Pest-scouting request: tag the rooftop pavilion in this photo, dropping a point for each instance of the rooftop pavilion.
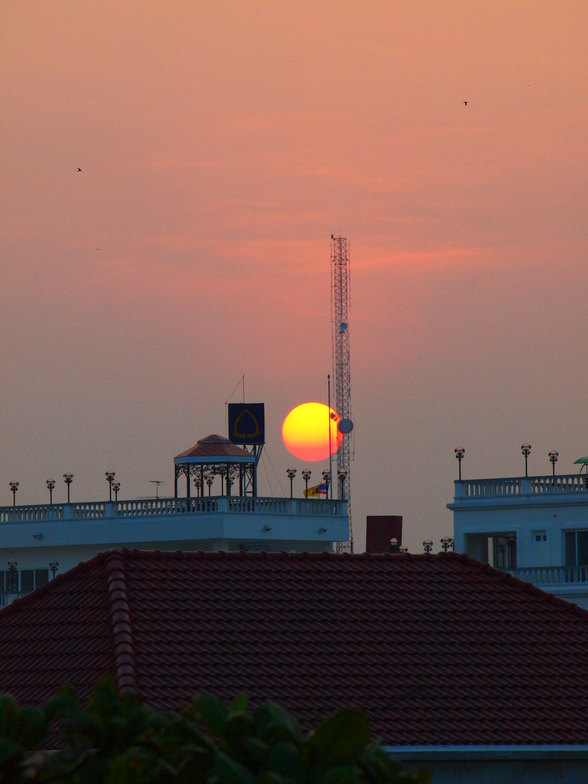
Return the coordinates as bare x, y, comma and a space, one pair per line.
220, 511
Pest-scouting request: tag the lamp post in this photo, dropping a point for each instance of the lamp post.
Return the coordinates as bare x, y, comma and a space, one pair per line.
306, 472
526, 450
427, 545
68, 479
209, 479
447, 543
110, 479
50, 485
342, 476
459, 453
394, 545
553, 455
291, 473
116, 488
13, 488
198, 485
54, 566
12, 586
327, 480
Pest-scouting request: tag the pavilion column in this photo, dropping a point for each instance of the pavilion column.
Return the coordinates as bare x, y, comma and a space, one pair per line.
188, 481
175, 481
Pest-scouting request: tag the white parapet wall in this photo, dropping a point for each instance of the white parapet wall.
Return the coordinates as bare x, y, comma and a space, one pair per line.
536, 527
34, 537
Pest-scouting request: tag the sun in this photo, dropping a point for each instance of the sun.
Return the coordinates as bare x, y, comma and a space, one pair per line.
305, 431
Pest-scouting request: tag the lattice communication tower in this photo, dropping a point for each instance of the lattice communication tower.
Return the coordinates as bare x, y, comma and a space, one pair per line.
342, 370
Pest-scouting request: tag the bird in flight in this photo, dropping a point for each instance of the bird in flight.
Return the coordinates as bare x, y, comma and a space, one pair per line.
465, 103
79, 169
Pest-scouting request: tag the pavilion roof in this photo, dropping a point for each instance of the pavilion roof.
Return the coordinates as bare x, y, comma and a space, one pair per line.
214, 446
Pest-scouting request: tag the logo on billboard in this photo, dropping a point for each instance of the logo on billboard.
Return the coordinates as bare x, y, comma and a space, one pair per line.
247, 423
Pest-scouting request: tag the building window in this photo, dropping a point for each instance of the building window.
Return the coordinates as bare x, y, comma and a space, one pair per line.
539, 536
33, 578
504, 551
576, 543
27, 580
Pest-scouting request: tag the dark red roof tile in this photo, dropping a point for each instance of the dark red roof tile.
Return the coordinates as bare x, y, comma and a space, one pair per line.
438, 649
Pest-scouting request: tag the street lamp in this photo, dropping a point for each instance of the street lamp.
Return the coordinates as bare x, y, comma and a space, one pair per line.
110, 478
459, 453
54, 566
447, 543
327, 480
427, 545
403, 549
291, 473
50, 485
526, 450
394, 545
553, 455
12, 586
68, 479
116, 488
342, 476
13, 488
306, 472
209, 479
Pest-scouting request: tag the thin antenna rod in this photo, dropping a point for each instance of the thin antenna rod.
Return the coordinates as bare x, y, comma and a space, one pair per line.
330, 450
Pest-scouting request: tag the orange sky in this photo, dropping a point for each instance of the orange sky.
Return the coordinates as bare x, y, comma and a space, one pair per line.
221, 144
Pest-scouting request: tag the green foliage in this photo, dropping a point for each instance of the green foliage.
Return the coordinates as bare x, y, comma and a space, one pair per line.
116, 739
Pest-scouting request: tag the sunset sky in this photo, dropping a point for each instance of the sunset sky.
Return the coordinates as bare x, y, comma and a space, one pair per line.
221, 144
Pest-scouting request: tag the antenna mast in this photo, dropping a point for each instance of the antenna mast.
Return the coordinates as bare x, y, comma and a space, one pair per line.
342, 371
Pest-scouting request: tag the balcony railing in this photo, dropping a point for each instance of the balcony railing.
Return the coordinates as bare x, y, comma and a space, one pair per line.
552, 575
533, 485
165, 507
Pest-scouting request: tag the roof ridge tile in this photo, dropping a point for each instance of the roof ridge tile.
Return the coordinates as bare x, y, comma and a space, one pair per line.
120, 618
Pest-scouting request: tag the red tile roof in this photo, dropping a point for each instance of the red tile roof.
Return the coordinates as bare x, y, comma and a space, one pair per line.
439, 649
215, 446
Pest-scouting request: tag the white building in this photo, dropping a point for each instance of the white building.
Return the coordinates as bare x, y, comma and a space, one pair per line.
41, 540
534, 527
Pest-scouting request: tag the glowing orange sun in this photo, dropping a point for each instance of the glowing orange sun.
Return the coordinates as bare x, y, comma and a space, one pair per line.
306, 431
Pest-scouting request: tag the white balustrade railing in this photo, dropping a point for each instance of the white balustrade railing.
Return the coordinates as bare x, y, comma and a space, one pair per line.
164, 507
25, 514
480, 487
552, 575
533, 485
87, 511
566, 483
259, 505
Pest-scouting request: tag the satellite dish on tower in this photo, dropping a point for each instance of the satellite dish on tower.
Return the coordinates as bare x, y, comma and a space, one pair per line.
345, 426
